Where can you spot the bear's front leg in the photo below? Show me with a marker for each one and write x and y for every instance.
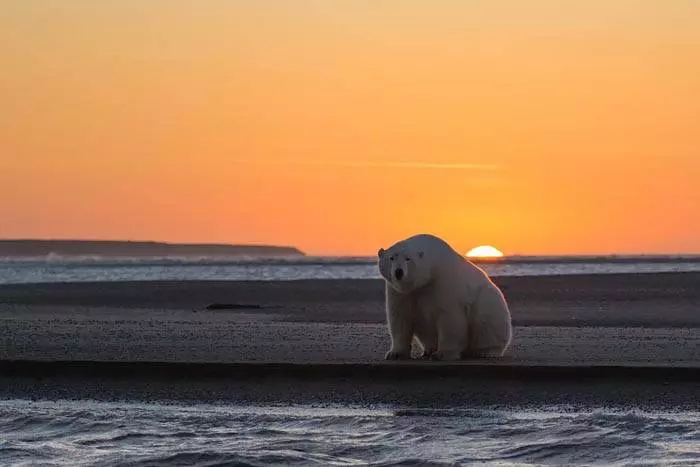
(429, 345)
(401, 332)
(452, 329)
(397, 355)
(399, 318)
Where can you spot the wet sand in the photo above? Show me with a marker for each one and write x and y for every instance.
(626, 336)
(647, 300)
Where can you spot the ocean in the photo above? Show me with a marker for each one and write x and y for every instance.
(57, 269)
(90, 433)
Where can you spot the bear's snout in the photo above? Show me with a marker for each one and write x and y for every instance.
(398, 274)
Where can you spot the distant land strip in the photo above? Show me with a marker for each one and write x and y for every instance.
(117, 248)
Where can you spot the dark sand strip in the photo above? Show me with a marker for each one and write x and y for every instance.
(422, 387)
(613, 300)
(389, 371)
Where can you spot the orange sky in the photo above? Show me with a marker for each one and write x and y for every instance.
(540, 127)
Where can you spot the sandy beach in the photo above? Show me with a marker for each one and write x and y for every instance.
(641, 327)
(615, 319)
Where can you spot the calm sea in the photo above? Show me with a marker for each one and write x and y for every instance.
(103, 434)
(52, 269)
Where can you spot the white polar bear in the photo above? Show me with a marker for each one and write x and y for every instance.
(450, 305)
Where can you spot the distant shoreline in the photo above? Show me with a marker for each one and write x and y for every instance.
(117, 248)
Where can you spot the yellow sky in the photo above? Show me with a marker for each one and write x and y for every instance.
(540, 127)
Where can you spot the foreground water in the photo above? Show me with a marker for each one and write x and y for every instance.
(81, 433)
(50, 269)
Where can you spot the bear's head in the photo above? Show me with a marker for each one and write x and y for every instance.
(405, 269)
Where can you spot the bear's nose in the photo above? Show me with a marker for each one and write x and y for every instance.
(399, 274)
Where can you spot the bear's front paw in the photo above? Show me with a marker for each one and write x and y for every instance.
(427, 354)
(441, 355)
(397, 355)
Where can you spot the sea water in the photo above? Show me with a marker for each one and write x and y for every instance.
(52, 269)
(82, 433)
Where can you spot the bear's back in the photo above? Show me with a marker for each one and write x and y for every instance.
(427, 243)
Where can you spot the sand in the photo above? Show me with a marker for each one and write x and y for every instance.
(649, 300)
(645, 329)
(614, 319)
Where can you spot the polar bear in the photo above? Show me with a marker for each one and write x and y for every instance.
(447, 303)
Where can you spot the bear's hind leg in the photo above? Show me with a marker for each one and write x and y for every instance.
(452, 331)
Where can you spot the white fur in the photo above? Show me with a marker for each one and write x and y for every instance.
(447, 303)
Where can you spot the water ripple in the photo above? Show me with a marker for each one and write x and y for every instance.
(128, 434)
(77, 270)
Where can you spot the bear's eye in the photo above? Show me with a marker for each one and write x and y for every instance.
(391, 258)
(408, 258)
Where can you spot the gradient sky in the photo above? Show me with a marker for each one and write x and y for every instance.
(540, 127)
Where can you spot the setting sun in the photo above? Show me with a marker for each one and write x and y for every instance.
(485, 251)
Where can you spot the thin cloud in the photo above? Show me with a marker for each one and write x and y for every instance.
(362, 164)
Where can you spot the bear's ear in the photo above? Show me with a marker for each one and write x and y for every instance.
(380, 252)
(420, 254)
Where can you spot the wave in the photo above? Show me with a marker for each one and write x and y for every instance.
(95, 433)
